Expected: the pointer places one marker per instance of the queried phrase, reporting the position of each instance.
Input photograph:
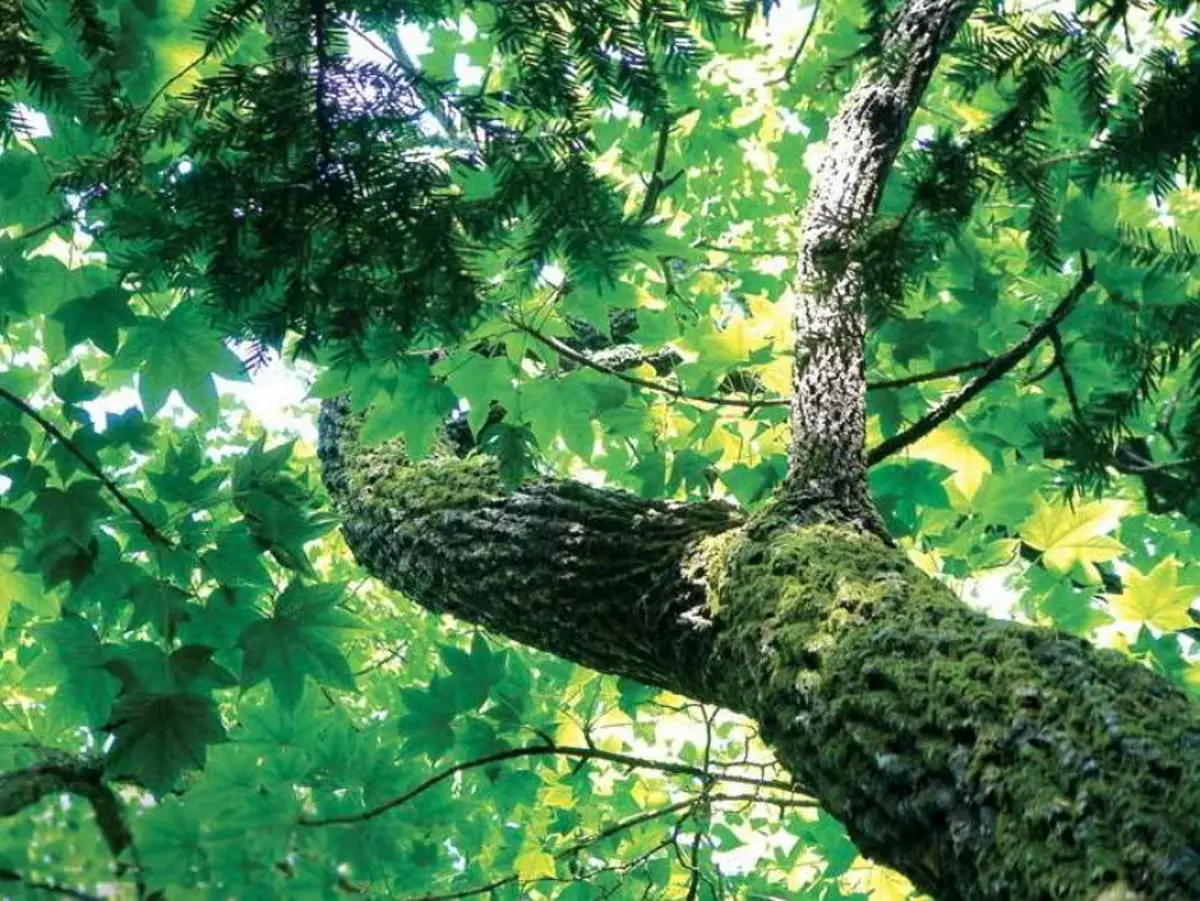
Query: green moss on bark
(985, 759)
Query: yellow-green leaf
(1156, 598)
(535, 864)
(1074, 534)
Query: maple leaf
(1156, 598)
(1071, 535)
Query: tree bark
(829, 396)
(986, 760)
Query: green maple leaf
(180, 352)
(299, 639)
(12, 525)
(128, 429)
(277, 506)
(177, 481)
(158, 604)
(156, 737)
(71, 512)
(73, 388)
(74, 662)
(473, 674)
(97, 317)
(237, 559)
(903, 489)
(416, 409)
(427, 722)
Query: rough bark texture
(600, 577)
(984, 759)
(828, 402)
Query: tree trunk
(983, 759)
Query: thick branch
(597, 576)
(994, 370)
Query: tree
(802, 436)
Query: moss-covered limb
(984, 759)
(828, 420)
(604, 578)
(62, 773)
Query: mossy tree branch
(61, 773)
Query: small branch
(7, 875)
(1134, 465)
(905, 380)
(91, 466)
(60, 219)
(599, 363)
(547, 750)
(60, 773)
(608, 832)
(808, 30)
(1064, 372)
(583, 359)
(656, 185)
(991, 373)
(741, 251)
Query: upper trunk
(828, 402)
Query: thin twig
(791, 66)
(905, 380)
(991, 373)
(608, 832)
(741, 251)
(61, 219)
(1064, 372)
(7, 875)
(583, 359)
(546, 750)
(656, 185)
(90, 465)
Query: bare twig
(90, 465)
(591, 362)
(808, 30)
(995, 369)
(742, 251)
(546, 750)
(583, 359)
(906, 380)
(7, 875)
